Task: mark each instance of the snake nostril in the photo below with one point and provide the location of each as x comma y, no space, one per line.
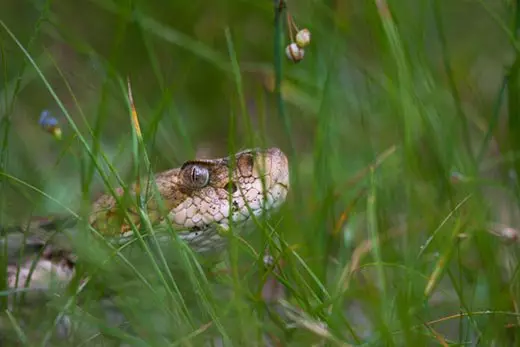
231,187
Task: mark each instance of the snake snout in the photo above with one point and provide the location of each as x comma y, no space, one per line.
274,168
278,167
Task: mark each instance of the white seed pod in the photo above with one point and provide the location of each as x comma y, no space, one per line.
294,52
303,38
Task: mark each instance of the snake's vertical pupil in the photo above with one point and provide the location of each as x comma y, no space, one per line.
199,176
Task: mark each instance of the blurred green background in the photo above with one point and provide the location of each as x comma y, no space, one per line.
178,59
421,79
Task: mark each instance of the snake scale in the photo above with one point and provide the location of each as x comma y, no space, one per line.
200,199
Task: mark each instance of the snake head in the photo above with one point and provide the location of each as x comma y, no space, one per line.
249,183
231,189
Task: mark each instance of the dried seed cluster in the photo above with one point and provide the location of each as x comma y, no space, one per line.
295,50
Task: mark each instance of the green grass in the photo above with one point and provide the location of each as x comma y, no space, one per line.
401,129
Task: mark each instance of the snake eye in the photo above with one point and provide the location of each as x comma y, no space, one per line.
198,176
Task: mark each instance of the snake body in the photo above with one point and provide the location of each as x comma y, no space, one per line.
200,198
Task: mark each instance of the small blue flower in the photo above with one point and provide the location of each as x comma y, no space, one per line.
46,120
50,124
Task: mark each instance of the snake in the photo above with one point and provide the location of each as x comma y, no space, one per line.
202,198
200,201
